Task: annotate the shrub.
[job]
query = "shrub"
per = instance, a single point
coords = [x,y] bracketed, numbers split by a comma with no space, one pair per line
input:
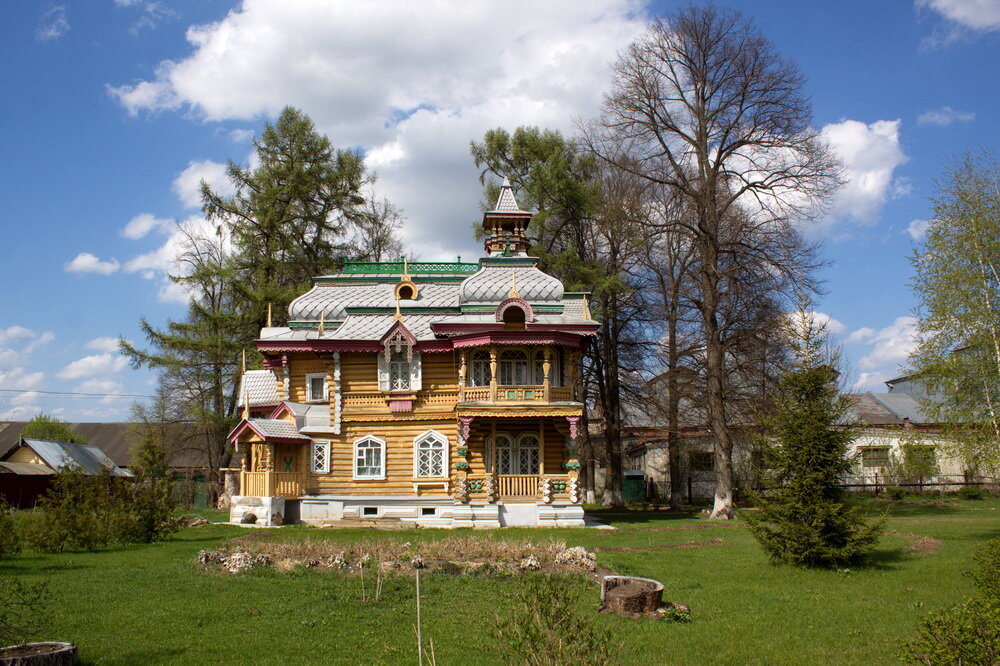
[966,634]
[86,511]
[971,493]
[545,626]
[987,573]
[895,493]
[10,542]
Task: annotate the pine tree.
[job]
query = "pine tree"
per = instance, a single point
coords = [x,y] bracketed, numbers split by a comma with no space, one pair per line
[803,518]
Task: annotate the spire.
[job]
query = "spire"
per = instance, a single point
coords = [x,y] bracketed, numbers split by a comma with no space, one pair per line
[269,315]
[506,201]
[586,309]
[513,293]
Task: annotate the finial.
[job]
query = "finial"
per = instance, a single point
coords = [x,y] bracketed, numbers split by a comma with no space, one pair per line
[586,308]
[269,315]
[406,269]
[243,382]
[399,315]
[322,321]
[513,293]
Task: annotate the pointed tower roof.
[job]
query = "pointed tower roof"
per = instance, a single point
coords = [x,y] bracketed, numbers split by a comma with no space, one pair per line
[506,225]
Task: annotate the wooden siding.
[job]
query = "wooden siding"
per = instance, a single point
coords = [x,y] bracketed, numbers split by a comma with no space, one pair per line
[25,455]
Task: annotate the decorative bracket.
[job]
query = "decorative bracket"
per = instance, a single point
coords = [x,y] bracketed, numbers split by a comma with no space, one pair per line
[464,425]
[574,421]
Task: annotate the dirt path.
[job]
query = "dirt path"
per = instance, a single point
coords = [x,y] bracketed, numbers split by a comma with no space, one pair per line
[660,546]
[919,543]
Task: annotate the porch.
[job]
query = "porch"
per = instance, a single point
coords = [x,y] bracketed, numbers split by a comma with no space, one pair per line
[272,484]
[491,487]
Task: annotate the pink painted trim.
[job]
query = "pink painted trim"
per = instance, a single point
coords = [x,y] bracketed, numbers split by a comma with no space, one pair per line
[518,338]
[402,329]
[401,403]
[244,424]
[529,314]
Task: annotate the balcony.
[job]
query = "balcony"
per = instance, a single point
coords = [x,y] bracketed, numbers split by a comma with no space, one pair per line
[502,393]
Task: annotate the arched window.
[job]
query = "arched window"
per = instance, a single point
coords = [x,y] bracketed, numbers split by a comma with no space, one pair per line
[513,369]
[518,455]
[514,317]
[369,458]
[430,455]
[480,371]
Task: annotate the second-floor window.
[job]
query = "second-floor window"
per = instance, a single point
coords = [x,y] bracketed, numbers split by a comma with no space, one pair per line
[399,373]
[316,387]
[479,373]
[513,369]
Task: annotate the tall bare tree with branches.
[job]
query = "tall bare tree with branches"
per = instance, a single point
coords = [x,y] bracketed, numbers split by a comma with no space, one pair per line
[703,104]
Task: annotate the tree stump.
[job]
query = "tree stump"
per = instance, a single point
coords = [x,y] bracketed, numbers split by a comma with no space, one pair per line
[629,595]
[39,654]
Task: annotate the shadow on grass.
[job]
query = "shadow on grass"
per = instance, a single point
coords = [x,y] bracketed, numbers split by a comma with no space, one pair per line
[620,515]
[148,656]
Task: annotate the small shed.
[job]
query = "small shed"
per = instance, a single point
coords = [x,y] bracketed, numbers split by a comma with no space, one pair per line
[27,470]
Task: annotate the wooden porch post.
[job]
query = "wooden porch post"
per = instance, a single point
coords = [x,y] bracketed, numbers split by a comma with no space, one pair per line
[493,373]
[546,367]
[462,369]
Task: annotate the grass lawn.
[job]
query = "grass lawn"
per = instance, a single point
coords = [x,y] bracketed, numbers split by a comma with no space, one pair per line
[153,604]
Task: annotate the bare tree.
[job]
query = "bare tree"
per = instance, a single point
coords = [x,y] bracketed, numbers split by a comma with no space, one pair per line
[703,104]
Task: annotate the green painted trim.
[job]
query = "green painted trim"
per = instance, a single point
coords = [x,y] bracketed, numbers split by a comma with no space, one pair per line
[387,279]
[374,309]
[508,261]
[576,295]
[417,267]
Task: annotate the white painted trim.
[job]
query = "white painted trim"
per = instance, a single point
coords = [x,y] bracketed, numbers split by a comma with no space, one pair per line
[326,388]
[325,469]
[417,485]
[337,398]
[354,463]
[445,470]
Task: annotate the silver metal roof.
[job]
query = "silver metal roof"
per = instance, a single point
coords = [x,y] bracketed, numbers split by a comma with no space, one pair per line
[332,300]
[506,203]
[309,415]
[61,454]
[492,284]
[903,406]
[276,428]
[260,387]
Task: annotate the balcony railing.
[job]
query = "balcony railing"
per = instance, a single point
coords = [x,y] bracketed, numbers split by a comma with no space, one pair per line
[272,484]
[516,393]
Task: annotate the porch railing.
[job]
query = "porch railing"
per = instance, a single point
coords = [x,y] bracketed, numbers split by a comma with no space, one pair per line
[518,485]
[491,487]
[272,484]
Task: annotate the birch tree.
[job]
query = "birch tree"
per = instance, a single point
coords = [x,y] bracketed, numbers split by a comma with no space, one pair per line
[958,284]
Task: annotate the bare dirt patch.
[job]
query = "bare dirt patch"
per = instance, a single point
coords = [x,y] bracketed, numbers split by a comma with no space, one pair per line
[676,528]
[919,543]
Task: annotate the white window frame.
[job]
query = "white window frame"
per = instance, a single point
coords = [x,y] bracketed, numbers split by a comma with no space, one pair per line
[384,374]
[509,368]
[433,435]
[319,458]
[326,387]
[380,474]
[480,361]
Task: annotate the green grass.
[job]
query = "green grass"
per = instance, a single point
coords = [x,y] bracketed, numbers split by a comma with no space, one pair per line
[153,604]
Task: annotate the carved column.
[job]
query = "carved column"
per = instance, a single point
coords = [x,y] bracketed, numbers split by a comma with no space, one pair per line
[574,358]
[493,373]
[462,369]
[546,369]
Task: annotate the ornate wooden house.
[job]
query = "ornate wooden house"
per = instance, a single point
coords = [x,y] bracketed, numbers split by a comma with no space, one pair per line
[441,393]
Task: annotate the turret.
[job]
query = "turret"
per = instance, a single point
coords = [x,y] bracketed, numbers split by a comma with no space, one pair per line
[506,225]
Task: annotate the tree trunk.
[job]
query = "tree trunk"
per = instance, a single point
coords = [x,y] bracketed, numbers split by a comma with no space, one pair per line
[715,384]
[611,394]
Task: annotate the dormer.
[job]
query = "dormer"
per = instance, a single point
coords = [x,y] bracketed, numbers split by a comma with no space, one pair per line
[506,225]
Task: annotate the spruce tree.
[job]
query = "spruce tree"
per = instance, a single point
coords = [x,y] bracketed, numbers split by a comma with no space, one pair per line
[803,518]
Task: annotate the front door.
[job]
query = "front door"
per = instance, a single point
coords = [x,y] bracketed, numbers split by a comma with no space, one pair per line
[516,455]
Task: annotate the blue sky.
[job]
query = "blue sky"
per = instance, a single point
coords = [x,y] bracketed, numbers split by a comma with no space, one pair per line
[113,110]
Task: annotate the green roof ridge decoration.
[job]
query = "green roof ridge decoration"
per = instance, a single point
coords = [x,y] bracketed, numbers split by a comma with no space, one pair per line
[396,267]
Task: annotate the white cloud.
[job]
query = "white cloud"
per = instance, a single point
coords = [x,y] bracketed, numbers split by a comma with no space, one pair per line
[93,366]
[410,83]
[140,225]
[168,259]
[863,334]
[104,344]
[109,386]
[870,153]
[21,413]
[979,15]
[18,378]
[891,345]
[918,229]
[16,333]
[944,116]
[187,185]
[85,262]
[241,135]
[53,24]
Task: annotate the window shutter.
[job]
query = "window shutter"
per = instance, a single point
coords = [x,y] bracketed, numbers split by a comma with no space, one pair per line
[415,372]
[321,457]
[383,372]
